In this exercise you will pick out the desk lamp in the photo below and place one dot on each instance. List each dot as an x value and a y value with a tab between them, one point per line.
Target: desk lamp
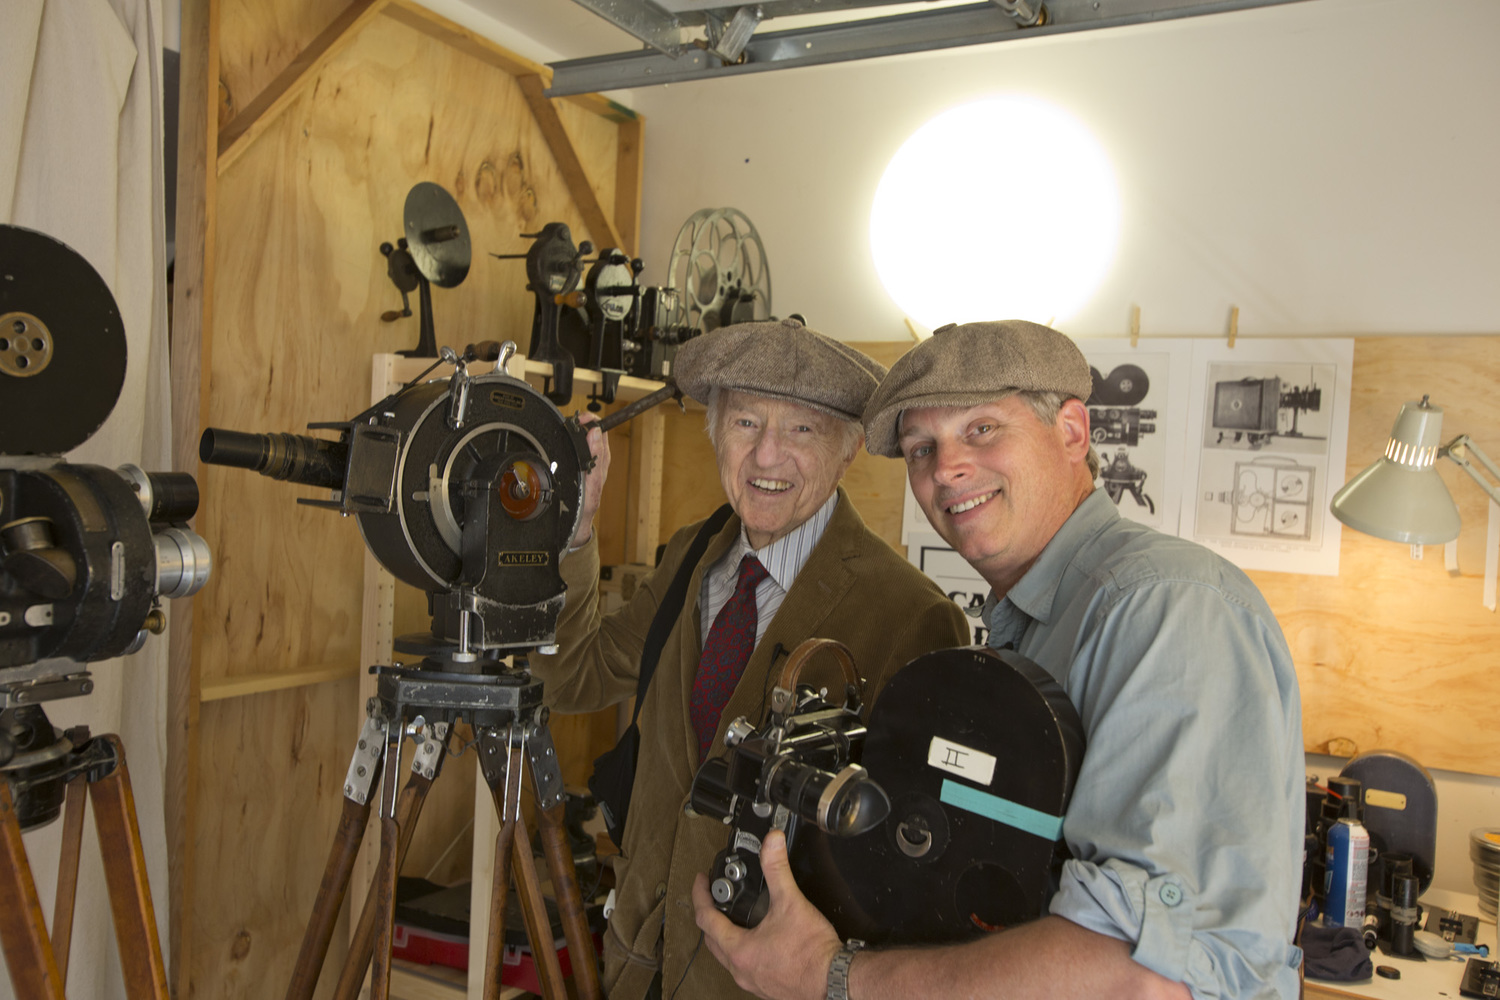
1401	497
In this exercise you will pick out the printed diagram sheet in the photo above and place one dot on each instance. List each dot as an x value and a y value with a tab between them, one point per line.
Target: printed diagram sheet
1138	422
1269	422
1238	448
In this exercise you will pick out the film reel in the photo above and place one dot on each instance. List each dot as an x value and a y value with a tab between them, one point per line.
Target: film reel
1125	385
437	234
719	264
62	346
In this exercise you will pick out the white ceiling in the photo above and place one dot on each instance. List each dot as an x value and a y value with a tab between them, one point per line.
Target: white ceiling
567	29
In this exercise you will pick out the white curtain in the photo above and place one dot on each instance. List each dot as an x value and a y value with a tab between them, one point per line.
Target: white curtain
81	160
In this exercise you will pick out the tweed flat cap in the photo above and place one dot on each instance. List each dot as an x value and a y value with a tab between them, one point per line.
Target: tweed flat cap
972	363
782	359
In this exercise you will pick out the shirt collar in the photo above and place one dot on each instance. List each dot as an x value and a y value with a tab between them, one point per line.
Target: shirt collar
1034	592
785	557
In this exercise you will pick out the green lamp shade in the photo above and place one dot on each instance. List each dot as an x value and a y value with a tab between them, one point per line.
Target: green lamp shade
1401	497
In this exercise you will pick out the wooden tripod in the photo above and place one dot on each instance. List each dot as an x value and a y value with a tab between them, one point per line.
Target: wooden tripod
510	727
39	965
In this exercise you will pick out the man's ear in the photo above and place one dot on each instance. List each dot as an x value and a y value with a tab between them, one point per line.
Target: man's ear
1073	422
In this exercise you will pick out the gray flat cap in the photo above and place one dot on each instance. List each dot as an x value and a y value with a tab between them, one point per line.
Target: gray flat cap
972	363
782	359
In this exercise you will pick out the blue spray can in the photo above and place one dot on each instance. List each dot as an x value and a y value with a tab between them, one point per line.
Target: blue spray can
1347	859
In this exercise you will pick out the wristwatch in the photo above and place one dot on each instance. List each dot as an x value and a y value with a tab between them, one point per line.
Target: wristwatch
838	969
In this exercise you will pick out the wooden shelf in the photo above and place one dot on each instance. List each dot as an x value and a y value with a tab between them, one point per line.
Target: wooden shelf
401	370
239	687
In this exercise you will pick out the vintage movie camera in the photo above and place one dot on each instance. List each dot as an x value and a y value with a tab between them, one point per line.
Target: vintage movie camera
797	768
86	552
468	488
596	312
953	795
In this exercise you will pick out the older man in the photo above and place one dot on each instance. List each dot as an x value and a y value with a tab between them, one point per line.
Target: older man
1185	825
784	404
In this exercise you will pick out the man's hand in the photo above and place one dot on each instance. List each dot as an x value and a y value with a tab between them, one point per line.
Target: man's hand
786	956
593	483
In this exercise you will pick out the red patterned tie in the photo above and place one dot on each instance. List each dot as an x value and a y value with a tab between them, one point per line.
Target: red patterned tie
725	653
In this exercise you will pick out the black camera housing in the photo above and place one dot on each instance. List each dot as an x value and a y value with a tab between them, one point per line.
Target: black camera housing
799	769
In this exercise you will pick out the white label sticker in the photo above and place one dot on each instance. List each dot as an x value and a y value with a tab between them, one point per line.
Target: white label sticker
973	765
744	841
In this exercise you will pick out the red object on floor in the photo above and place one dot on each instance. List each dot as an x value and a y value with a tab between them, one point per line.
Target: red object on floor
517	963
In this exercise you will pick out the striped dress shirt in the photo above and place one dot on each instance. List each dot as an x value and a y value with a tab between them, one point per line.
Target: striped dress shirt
783	560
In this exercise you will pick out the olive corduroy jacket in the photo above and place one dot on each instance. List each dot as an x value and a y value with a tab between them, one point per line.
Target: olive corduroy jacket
854	588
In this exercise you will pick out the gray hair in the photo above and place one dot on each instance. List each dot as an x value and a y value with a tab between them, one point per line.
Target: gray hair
853	431
1047	405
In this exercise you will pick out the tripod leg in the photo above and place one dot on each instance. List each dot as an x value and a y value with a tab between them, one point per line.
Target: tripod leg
67	874
501	757
534	908
330	899
499	894
384	893
125	873
388	867
569	897
366	767
28	954
362	945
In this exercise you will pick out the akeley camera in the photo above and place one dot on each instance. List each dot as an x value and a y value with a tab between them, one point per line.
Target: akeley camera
800	767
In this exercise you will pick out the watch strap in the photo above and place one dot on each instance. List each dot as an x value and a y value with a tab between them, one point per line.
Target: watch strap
838	969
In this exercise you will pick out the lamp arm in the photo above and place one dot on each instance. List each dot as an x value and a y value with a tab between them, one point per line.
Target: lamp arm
1459	450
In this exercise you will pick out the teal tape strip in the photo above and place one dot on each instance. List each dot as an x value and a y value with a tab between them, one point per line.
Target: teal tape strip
1033	821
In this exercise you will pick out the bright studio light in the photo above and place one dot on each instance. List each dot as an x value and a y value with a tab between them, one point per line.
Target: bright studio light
1002	209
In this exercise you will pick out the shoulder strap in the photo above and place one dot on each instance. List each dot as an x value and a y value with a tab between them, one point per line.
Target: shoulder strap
671	604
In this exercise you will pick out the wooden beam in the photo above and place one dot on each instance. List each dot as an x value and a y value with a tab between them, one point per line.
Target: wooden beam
237	136
568	164
192	323
629	165
647	452
277	680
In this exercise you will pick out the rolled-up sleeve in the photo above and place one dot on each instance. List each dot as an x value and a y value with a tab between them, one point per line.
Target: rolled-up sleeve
1181	825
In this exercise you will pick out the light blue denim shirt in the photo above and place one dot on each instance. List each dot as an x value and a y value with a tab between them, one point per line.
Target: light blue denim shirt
1186	822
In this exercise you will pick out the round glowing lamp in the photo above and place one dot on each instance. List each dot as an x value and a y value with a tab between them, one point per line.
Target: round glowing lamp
1003	208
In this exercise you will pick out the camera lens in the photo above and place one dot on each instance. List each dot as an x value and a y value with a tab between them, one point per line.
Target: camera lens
843	804
183	562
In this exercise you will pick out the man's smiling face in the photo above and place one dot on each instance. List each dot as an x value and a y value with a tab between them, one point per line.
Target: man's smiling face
994	480
779	462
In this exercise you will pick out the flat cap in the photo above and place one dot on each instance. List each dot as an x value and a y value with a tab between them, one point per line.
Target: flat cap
782	359
973	363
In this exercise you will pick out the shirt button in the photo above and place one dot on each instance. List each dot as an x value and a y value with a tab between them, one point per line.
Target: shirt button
661	890
1170	894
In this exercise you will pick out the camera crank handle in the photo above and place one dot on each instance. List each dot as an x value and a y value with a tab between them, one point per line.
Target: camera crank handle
666	392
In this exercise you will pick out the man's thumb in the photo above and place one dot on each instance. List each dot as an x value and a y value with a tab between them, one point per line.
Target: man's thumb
773	862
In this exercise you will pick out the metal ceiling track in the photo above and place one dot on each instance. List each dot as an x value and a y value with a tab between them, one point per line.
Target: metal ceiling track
948	27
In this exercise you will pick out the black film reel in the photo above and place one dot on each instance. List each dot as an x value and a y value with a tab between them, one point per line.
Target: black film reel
62	346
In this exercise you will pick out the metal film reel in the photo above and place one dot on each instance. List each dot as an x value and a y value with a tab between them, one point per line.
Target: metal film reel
62	346
719	264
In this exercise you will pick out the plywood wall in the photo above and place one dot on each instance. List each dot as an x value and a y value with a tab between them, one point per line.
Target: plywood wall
1394	653
322	115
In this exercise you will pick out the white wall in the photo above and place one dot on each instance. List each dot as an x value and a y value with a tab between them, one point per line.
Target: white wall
1326	166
